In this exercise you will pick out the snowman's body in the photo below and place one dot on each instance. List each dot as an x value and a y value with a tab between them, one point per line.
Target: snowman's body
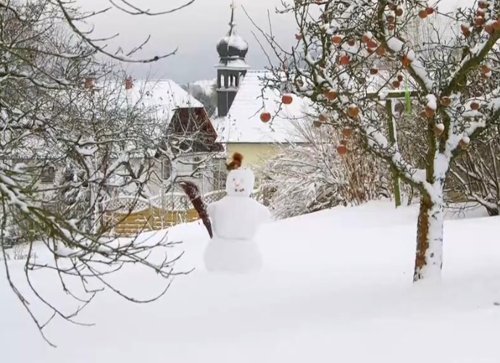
235	220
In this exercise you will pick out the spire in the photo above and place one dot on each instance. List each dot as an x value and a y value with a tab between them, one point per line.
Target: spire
232	66
232	24
232	47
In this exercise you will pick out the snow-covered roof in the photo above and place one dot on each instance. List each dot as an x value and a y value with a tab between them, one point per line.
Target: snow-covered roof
162	96
242	123
31	147
159	98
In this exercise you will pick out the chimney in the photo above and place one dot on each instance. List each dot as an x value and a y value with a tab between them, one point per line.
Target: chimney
89	83
129	83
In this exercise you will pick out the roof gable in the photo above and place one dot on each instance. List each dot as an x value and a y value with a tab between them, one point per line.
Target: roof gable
242	123
195	122
162	97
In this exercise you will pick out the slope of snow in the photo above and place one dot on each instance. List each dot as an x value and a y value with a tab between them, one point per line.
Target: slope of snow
335	287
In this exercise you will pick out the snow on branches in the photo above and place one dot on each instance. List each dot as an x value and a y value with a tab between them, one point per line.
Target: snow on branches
368	51
317	174
69	139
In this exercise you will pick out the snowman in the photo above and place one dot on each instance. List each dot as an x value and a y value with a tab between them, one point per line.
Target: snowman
235	220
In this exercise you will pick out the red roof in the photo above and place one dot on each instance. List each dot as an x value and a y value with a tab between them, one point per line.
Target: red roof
195	122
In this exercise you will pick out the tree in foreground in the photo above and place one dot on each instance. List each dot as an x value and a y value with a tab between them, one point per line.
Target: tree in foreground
353	56
62	110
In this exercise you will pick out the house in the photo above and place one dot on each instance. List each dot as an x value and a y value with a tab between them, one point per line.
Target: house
243	97
188	138
161	132
189	149
242	129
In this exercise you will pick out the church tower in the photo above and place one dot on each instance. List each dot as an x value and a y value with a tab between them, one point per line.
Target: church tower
232	66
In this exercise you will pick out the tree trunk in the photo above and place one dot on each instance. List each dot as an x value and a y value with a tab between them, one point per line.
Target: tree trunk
492	212
429	256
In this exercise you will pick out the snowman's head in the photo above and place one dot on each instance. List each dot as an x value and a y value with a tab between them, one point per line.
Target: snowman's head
240	182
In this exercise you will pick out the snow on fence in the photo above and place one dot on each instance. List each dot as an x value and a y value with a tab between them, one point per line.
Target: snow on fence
132	215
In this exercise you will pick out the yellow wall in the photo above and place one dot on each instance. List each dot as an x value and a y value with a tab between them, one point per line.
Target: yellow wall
254	155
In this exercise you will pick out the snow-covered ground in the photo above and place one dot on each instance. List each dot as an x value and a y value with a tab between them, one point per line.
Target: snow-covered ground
335	287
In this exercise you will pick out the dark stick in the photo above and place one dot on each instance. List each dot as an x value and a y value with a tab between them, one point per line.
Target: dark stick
193	193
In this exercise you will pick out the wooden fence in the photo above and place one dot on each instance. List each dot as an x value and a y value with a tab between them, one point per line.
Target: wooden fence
130	216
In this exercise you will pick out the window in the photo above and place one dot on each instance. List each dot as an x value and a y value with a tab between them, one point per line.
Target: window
219	174
166	169
48	174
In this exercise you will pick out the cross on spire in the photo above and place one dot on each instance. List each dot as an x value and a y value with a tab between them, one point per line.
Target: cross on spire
231	22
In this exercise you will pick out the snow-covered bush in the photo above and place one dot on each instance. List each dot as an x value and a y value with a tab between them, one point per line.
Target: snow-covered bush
475	175
312	176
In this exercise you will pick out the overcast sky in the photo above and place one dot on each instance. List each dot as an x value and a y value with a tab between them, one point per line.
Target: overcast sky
195	31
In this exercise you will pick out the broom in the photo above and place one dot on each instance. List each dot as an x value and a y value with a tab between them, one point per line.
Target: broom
193	193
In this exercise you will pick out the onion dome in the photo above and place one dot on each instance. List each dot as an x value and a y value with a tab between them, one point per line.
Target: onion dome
232	46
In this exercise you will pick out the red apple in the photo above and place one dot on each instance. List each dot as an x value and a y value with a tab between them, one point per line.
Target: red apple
445	101
483	4
336	39
265	117
330	95
323	118
485	69
429	112
381	51
286	99
474	105
342	149
347	132
406	61
371	43
353	111
345	60
465	30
